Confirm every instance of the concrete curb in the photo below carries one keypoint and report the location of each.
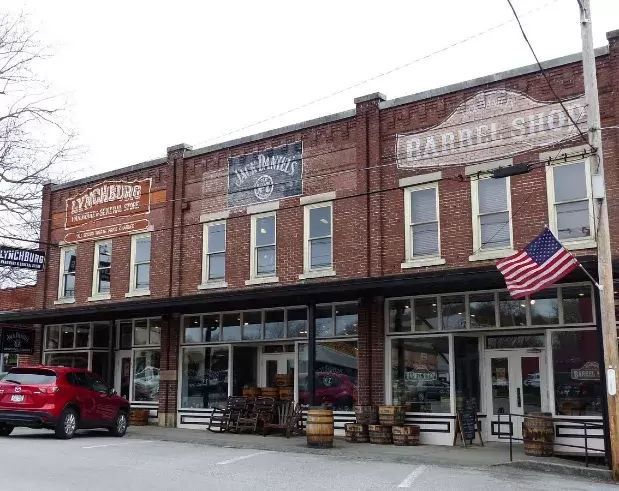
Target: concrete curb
(603, 475)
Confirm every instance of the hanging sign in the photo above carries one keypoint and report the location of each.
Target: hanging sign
(265, 176)
(492, 124)
(589, 371)
(17, 341)
(22, 258)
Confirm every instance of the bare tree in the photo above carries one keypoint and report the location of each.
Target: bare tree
(34, 139)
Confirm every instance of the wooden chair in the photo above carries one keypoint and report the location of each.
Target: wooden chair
(262, 412)
(225, 419)
(289, 420)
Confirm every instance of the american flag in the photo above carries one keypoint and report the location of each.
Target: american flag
(540, 264)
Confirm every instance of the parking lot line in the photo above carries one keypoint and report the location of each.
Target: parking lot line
(116, 444)
(410, 479)
(242, 457)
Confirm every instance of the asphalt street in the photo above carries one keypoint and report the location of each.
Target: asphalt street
(34, 460)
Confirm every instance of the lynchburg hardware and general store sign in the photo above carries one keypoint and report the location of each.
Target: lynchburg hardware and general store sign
(265, 176)
(22, 258)
(490, 125)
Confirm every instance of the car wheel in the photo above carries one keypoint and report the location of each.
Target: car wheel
(120, 425)
(67, 424)
(5, 430)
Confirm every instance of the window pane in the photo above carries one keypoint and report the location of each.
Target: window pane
(499, 368)
(210, 324)
(192, 329)
(545, 307)
(146, 375)
(100, 367)
(265, 231)
(73, 360)
(297, 323)
(466, 355)
(142, 249)
(495, 230)
(324, 321)
(481, 310)
(125, 334)
(425, 239)
(454, 315)
(204, 377)
(69, 261)
(320, 222)
(274, 324)
(423, 206)
(573, 219)
(420, 374)
(231, 327)
(140, 332)
(217, 237)
(320, 253)
(426, 314)
(67, 337)
(142, 276)
(252, 325)
(53, 337)
(577, 304)
(265, 258)
(576, 368)
(515, 342)
(346, 319)
(82, 333)
(511, 312)
(570, 182)
(400, 315)
(217, 266)
(69, 285)
(105, 255)
(244, 369)
(492, 195)
(104, 281)
(155, 331)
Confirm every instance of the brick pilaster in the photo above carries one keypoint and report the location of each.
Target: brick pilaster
(168, 384)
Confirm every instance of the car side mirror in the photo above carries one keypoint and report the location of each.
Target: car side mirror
(112, 392)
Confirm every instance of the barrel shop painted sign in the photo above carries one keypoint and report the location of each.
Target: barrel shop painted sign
(106, 209)
(17, 341)
(492, 124)
(22, 258)
(265, 176)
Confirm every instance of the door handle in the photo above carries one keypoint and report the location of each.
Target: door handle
(518, 398)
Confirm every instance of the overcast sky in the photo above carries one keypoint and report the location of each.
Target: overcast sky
(144, 75)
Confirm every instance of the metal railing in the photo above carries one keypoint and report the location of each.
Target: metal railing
(584, 425)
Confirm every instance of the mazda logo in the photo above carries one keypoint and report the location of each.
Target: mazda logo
(17, 389)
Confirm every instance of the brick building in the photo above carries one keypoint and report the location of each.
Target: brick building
(187, 278)
(20, 298)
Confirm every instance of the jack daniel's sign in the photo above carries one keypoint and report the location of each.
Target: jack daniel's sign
(265, 176)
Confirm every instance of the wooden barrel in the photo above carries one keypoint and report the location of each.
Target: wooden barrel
(138, 417)
(405, 435)
(284, 380)
(286, 393)
(391, 415)
(538, 434)
(270, 392)
(252, 392)
(319, 428)
(356, 433)
(366, 415)
(380, 434)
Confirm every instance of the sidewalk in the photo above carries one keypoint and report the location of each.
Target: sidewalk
(491, 455)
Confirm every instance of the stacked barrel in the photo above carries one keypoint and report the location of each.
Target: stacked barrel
(285, 386)
(382, 426)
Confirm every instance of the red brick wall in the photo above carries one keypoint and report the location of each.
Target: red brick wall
(18, 299)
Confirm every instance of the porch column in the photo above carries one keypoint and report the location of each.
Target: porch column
(168, 373)
(311, 352)
(371, 344)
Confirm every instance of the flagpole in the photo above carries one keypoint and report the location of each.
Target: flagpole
(599, 287)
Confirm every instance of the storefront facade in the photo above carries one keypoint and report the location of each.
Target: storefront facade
(186, 279)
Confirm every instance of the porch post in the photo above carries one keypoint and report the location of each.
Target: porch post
(311, 352)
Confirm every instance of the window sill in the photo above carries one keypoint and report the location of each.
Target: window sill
(96, 298)
(491, 254)
(585, 243)
(137, 293)
(213, 285)
(61, 301)
(262, 281)
(319, 273)
(427, 261)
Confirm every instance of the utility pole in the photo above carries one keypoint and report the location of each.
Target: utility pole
(605, 270)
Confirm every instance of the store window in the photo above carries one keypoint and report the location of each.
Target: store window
(399, 315)
(324, 321)
(214, 265)
(346, 319)
(466, 359)
(146, 375)
(318, 231)
(146, 332)
(512, 312)
(263, 257)
(296, 324)
(482, 312)
(545, 307)
(420, 374)
(68, 264)
(252, 325)
(204, 377)
(274, 324)
(67, 359)
(577, 304)
(575, 360)
(422, 221)
(140, 264)
(453, 312)
(426, 313)
(231, 326)
(102, 269)
(491, 214)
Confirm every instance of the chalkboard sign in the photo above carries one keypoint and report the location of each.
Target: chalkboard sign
(468, 424)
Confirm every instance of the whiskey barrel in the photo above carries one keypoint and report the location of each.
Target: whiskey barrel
(319, 428)
(252, 392)
(356, 433)
(538, 434)
(405, 435)
(138, 417)
(366, 415)
(380, 434)
(284, 380)
(270, 392)
(286, 393)
(391, 415)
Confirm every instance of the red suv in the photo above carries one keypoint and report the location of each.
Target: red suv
(60, 399)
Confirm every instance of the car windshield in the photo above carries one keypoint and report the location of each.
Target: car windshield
(30, 377)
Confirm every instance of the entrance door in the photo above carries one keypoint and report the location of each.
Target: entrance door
(516, 380)
(122, 373)
(274, 363)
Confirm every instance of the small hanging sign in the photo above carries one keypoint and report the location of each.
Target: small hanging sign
(22, 258)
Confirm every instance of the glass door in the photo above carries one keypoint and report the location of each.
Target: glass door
(273, 364)
(122, 373)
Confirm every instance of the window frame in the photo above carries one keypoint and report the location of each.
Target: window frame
(253, 262)
(308, 271)
(133, 291)
(96, 294)
(62, 298)
(206, 282)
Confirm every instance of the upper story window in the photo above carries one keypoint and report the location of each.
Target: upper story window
(68, 263)
(214, 260)
(318, 237)
(140, 265)
(492, 230)
(570, 203)
(102, 269)
(263, 258)
(421, 217)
